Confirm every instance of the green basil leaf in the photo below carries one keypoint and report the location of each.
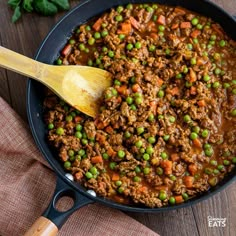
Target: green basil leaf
(45, 7)
(61, 4)
(14, 3)
(27, 5)
(16, 14)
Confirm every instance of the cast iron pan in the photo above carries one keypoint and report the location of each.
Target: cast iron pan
(48, 53)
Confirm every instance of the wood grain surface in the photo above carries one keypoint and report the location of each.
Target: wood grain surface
(25, 37)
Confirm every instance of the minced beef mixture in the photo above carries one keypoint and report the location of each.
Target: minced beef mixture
(167, 127)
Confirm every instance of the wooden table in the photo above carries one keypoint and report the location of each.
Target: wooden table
(25, 37)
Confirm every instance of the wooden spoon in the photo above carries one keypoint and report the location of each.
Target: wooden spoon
(79, 86)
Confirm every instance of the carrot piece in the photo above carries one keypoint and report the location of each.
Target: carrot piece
(151, 26)
(109, 129)
(161, 20)
(201, 103)
(175, 26)
(125, 28)
(179, 199)
(66, 50)
(197, 143)
(136, 88)
(174, 91)
(185, 25)
(134, 22)
(154, 36)
(193, 76)
(96, 159)
(121, 89)
(174, 157)
(192, 168)
(143, 189)
(97, 25)
(193, 90)
(119, 199)
(153, 107)
(195, 33)
(100, 138)
(159, 82)
(180, 11)
(167, 165)
(78, 119)
(111, 152)
(188, 181)
(115, 177)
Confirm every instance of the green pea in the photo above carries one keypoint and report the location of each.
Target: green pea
(164, 155)
(104, 33)
(226, 85)
(234, 91)
(91, 41)
(193, 135)
(206, 78)
(71, 153)
(162, 196)
(51, 126)
(60, 131)
(121, 154)
(121, 36)
(105, 156)
(194, 21)
(217, 71)
(59, 61)
(84, 141)
(129, 6)
(90, 62)
(193, 61)
(189, 46)
(119, 18)
(213, 181)
(137, 179)
(172, 119)
(213, 37)
(172, 200)
(233, 112)
(152, 48)
(222, 43)
(234, 160)
(111, 54)
(151, 117)
(133, 107)
(121, 189)
(161, 28)
(88, 28)
(185, 70)
(205, 133)
(93, 170)
(120, 9)
(196, 129)
(67, 164)
(226, 162)
(167, 51)
(139, 143)
(129, 46)
(149, 150)
(69, 118)
(173, 178)
(97, 35)
(118, 183)
(195, 40)
(185, 196)
(146, 156)
(160, 117)
(129, 100)
(159, 171)
(127, 134)
(166, 137)
(199, 26)
(140, 130)
(138, 45)
(137, 169)
(179, 76)
(151, 139)
(209, 152)
(213, 162)
(112, 165)
(161, 94)
(216, 171)
(187, 118)
(138, 100)
(146, 170)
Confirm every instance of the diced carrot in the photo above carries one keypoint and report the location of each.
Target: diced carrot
(180, 11)
(78, 119)
(195, 33)
(167, 165)
(154, 36)
(100, 125)
(66, 50)
(143, 189)
(97, 25)
(174, 157)
(179, 199)
(174, 91)
(111, 152)
(185, 25)
(188, 181)
(197, 143)
(96, 159)
(134, 22)
(136, 88)
(175, 26)
(159, 82)
(161, 20)
(100, 138)
(119, 199)
(109, 129)
(121, 89)
(161, 187)
(115, 177)
(153, 107)
(125, 28)
(192, 168)
(119, 99)
(193, 90)
(201, 103)
(151, 26)
(193, 76)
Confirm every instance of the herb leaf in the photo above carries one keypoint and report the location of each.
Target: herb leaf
(16, 15)
(27, 5)
(14, 3)
(61, 4)
(45, 7)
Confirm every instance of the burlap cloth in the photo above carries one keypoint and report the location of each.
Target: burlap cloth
(27, 185)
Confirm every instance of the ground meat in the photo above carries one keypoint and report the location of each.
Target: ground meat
(166, 127)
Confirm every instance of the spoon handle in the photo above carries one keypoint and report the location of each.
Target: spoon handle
(20, 64)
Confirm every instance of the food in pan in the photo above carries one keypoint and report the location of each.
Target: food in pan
(167, 127)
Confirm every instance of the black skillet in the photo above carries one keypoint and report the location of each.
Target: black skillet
(48, 53)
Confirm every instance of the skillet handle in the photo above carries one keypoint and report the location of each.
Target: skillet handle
(52, 220)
